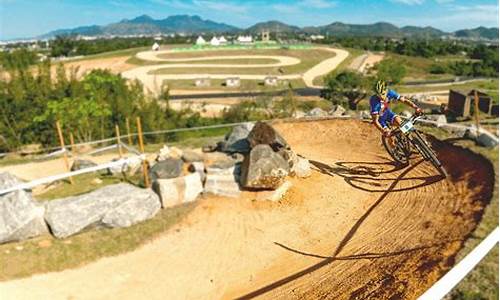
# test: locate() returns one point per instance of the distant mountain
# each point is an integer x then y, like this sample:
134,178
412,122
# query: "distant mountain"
146,25
480,32
195,25
272,26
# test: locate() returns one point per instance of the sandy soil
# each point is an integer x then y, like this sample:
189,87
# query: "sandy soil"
40,169
358,228
114,64
370,60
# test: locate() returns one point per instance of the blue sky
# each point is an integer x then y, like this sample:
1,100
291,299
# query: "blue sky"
26,18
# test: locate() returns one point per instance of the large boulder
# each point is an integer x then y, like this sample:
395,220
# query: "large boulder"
198,167
263,168
131,167
20,216
118,205
166,169
180,190
79,164
263,133
236,140
223,181
438,119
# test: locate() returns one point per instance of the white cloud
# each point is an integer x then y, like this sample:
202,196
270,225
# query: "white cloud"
409,2
444,1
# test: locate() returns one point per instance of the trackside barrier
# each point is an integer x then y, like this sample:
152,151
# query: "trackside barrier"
444,285
45,180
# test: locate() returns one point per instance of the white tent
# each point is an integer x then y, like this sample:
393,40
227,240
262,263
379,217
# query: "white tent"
222,40
244,39
155,47
215,41
200,41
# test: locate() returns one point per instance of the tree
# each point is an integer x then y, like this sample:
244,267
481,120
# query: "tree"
390,70
346,85
62,46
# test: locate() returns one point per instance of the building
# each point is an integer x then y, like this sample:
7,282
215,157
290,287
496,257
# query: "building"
317,37
271,81
155,47
200,41
244,39
461,103
233,82
265,36
215,41
202,82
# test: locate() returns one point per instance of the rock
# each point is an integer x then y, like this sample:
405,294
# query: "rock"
180,190
487,140
131,167
364,114
471,133
168,152
237,157
289,156
209,147
299,114
79,164
263,168
317,112
166,169
223,183
236,140
302,168
275,195
439,119
263,133
191,156
118,205
219,161
337,111
20,216
198,167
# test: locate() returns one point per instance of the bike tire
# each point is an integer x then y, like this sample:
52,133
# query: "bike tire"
428,153
403,161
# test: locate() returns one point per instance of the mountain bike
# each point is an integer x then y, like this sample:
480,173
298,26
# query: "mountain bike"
407,140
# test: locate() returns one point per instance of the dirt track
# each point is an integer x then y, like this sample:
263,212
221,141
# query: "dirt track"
358,227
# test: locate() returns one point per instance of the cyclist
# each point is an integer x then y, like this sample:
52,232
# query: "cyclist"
382,115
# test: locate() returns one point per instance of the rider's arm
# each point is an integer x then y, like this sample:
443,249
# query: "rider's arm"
408,102
375,121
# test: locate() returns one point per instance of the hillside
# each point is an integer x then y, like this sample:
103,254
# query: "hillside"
196,25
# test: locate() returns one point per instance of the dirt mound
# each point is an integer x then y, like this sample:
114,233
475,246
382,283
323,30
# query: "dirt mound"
359,227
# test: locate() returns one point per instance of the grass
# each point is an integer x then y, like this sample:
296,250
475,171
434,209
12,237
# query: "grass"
245,85
482,281
309,58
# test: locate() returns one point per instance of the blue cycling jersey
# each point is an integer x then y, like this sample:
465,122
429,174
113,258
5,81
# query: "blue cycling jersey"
381,107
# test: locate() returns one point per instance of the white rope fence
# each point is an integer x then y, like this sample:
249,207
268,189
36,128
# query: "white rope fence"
50,179
444,285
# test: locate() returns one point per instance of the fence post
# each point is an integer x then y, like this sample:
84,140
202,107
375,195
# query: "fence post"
118,142
128,131
65,155
476,111
72,141
141,148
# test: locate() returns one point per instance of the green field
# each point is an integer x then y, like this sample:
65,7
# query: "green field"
309,58
417,68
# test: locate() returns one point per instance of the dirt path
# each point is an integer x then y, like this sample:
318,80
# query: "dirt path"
357,228
153,81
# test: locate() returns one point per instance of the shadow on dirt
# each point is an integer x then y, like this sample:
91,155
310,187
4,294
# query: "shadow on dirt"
365,175
340,169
